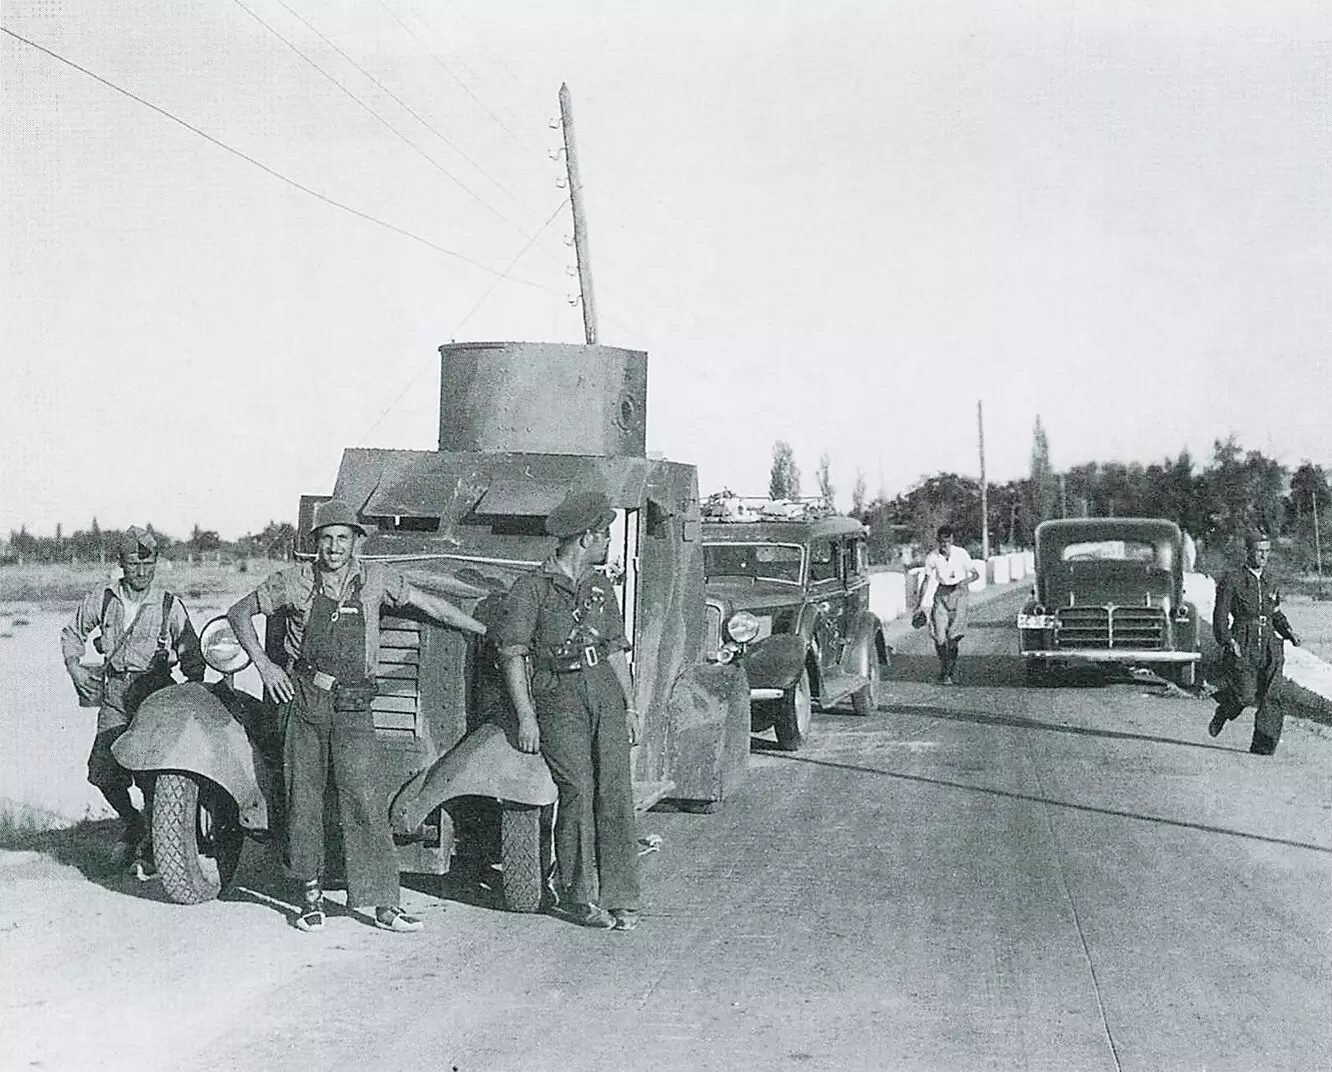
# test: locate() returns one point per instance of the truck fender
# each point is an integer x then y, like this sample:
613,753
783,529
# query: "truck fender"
482,764
776,661
864,641
187,728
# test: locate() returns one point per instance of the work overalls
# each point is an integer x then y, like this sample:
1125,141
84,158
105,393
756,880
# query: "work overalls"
319,735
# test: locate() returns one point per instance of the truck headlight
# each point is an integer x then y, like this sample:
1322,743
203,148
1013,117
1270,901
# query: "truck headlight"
742,627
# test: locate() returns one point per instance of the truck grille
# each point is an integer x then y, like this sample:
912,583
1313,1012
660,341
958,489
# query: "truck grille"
1141,628
712,627
397,707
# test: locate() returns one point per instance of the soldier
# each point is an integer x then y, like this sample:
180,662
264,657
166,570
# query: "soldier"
331,645
1251,630
142,630
562,648
948,572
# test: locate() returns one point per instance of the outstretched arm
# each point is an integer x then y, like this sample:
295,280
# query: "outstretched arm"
442,610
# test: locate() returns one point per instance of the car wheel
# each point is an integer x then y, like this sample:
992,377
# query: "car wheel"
522,877
865,700
794,715
197,838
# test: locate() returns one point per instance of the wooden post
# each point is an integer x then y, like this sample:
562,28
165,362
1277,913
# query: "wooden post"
1318,541
579,219
984,488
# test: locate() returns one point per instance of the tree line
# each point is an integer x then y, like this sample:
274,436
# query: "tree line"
98,545
1233,490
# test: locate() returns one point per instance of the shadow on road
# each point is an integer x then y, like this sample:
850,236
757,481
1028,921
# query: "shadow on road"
1006,794
1018,722
1004,671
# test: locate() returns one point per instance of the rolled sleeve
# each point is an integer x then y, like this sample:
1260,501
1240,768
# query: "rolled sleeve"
518,620
74,637
276,591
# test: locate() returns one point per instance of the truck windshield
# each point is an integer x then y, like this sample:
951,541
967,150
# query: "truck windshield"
760,561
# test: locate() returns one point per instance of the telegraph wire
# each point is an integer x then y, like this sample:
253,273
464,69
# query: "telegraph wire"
277,174
384,122
445,67
403,104
458,327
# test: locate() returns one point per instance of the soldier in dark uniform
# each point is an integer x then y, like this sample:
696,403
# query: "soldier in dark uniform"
1251,630
562,647
331,647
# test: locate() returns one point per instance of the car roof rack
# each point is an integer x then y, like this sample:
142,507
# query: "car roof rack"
728,506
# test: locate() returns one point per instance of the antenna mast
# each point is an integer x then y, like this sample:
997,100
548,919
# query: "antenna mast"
579,219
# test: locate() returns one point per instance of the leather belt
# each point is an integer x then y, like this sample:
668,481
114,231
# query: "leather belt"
589,657
1261,619
317,678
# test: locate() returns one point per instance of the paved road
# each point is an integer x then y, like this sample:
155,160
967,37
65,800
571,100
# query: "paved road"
977,877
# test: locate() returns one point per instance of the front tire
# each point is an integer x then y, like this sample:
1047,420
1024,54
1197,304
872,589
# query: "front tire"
522,877
865,700
197,838
794,715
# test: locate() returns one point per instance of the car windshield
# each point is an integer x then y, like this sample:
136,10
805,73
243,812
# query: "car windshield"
1111,551
761,561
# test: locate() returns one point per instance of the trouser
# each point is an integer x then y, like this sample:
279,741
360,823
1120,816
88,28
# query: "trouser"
318,739
585,742
1247,682
105,771
948,623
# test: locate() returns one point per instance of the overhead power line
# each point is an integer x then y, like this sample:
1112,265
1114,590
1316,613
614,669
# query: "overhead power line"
379,118
277,174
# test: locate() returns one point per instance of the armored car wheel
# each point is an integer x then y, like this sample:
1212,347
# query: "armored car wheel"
522,874
197,837
794,715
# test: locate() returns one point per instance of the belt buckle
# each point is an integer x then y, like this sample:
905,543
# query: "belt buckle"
323,681
590,656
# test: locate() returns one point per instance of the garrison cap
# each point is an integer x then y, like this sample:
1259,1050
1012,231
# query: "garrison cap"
335,512
581,511
138,545
1253,537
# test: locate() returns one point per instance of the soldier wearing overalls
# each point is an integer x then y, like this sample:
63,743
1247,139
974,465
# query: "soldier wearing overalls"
577,709
1251,630
331,647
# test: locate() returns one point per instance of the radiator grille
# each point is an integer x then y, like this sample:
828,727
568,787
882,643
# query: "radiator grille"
1141,628
397,707
712,628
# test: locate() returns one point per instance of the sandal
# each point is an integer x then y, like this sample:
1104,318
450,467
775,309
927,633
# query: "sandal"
394,918
312,915
585,915
626,919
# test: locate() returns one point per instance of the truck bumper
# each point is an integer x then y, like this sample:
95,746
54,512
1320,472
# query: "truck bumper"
1116,655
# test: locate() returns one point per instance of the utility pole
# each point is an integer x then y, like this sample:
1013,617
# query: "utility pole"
579,219
985,490
1318,541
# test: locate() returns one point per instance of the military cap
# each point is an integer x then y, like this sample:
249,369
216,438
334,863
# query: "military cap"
138,545
335,512
1253,537
581,511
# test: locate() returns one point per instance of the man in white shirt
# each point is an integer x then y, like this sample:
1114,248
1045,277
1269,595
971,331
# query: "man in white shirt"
948,572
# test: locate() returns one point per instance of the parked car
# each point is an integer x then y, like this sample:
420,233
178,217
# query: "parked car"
1110,591
788,600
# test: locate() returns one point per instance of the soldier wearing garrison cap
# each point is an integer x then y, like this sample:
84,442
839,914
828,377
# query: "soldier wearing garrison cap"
142,628
325,684
562,647
1251,630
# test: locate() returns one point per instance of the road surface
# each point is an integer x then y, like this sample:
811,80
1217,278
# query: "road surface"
985,876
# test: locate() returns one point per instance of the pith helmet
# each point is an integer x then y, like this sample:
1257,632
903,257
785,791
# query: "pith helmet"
335,512
581,511
138,545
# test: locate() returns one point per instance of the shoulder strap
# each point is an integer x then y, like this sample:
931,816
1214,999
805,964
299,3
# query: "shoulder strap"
164,633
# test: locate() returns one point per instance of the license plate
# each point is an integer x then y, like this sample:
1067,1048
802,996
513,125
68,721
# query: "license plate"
1036,621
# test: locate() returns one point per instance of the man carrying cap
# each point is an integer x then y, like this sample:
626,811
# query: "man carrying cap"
944,589
330,650
562,648
1251,629
138,623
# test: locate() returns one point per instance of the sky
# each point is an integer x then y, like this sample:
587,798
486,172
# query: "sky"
842,225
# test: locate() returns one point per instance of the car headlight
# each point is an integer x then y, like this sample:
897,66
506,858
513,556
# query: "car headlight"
742,627
221,649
